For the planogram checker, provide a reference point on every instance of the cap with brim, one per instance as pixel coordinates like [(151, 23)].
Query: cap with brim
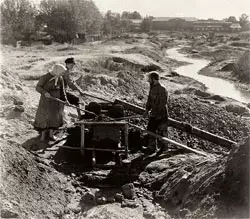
[(70, 60)]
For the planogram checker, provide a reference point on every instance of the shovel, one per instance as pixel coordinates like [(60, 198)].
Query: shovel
[(63, 102)]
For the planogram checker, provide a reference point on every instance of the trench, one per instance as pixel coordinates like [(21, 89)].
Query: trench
[(214, 85)]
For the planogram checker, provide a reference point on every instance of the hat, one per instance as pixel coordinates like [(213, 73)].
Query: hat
[(70, 60)]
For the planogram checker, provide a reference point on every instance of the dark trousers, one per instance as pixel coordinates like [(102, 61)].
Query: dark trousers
[(157, 126)]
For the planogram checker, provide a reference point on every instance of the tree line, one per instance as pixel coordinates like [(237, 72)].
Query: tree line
[(61, 19)]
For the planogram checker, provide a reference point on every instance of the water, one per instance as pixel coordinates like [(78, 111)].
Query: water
[(215, 85)]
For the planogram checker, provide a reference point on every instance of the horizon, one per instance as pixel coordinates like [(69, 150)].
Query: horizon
[(204, 9)]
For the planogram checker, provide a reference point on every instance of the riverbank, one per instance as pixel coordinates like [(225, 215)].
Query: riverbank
[(223, 55), (38, 181)]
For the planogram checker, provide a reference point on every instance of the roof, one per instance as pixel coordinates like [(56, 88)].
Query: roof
[(211, 22), (171, 18), (136, 21), (235, 26)]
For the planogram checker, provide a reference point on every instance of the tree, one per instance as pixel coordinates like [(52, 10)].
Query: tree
[(244, 22), (231, 19), (146, 25), (131, 15), (66, 18), (18, 20), (112, 23)]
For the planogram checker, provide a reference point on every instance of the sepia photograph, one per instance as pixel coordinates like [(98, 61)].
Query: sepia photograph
[(124, 109)]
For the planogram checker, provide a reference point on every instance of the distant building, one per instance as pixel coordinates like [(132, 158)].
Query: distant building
[(211, 25), (135, 24), (235, 27), (173, 23), (193, 24)]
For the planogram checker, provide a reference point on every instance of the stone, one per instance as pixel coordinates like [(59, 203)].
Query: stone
[(6, 213), (17, 101), (119, 197), (19, 108), (128, 190), (18, 87), (88, 198), (101, 200), (110, 199), (129, 204)]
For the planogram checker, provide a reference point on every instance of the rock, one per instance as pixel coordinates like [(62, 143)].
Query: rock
[(18, 87), (119, 197), (248, 105), (110, 199), (174, 73), (17, 101), (129, 204), (215, 97), (101, 200), (201, 93), (6, 213), (88, 198), (236, 109), (19, 108), (129, 190), (183, 212), (177, 92)]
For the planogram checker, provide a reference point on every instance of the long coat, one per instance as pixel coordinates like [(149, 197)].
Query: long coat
[(49, 114)]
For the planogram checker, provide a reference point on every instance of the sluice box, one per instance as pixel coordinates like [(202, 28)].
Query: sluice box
[(106, 136)]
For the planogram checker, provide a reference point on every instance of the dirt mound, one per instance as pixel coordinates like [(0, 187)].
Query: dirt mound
[(236, 184), (153, 54), (219, 122), (124, 83), (191, 186), (8, 80), (29, 186), (182, 181), (242, 67)]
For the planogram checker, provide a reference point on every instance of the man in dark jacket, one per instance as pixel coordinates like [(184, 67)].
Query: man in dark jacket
[(68, 82), (157, 111)]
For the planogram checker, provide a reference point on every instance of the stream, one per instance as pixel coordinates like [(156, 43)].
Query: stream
[(214, 85)]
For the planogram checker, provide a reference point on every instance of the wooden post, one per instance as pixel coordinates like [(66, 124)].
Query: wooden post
[(126, 139), (82, 139)]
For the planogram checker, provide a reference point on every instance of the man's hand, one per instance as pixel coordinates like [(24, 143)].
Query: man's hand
[(47, 95)]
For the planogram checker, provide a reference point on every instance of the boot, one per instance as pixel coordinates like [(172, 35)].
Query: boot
[(43, 135), (51, 135)]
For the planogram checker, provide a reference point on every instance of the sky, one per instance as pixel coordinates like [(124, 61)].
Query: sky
[(203, 9)]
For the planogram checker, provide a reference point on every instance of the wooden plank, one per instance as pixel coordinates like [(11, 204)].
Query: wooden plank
[(184, 127), (105, 149), (119, 123), (173, 142)]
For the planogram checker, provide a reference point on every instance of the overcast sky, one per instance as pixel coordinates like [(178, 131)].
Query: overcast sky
[(217, 9)]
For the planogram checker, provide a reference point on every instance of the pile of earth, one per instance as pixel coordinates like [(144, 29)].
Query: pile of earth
[(15, 107), (190, 186), (220, 122), (29, 187)]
